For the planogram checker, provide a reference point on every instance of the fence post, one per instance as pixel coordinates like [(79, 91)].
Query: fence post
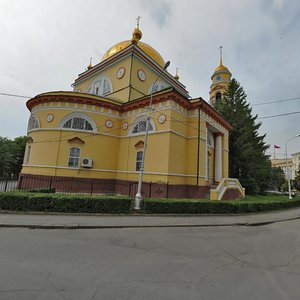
[(150, 189), (20, 182), (167, 189), (50, 184), (129, 191), (6, 182), (92, 186)]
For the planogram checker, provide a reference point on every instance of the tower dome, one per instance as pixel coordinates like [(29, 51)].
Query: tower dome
[(220, 80), (136, 36), (221, 68)]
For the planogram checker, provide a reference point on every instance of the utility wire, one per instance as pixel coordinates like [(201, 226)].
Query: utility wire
[(13, 95), (279, 115), (252, 104), (277, 101)]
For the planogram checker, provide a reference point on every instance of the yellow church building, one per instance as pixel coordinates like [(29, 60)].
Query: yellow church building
[(92, 139)]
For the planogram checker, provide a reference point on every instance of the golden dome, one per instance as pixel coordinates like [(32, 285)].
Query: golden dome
[(136, 36), (221, 68), (145, 47)]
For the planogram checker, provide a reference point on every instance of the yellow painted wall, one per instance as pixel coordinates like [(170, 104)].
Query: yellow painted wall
[(120, 86), (171, 154)]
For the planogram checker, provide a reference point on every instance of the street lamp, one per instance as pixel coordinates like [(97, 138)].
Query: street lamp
[(138, 196), (287, 165)]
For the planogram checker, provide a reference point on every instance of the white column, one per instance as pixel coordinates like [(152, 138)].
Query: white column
[(218, 158)]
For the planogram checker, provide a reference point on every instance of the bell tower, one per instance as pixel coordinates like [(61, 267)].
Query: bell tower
[(220, 80)]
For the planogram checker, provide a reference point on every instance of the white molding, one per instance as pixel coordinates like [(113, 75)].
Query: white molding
[(130, 114), (138, 120), (78, 115), (111, 171), (97, 78), (33, 116), (115, 136), (76, 109)]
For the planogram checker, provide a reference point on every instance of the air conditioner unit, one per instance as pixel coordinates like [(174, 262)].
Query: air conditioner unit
[(87, 162)]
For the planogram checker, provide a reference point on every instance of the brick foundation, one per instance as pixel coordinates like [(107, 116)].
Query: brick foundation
[(102, 186)]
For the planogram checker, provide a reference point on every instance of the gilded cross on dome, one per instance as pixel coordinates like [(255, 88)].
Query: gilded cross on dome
[(221, 49), (138, 21)]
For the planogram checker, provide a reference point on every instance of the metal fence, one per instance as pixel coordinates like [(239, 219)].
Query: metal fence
[(99, 186), (73, 185), (8, 184)]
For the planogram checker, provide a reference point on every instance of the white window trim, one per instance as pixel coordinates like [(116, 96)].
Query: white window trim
[(38, 122), (78, 115), (161, 83), (90, 89), (138, 161), (136, 121), (74, 157)]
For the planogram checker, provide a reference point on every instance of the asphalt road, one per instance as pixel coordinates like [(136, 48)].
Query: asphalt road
[(261, 262)]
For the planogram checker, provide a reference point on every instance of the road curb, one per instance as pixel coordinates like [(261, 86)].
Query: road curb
[(78, 226)]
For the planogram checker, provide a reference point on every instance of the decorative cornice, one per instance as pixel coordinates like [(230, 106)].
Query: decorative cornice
[(169, 94), (139, 144), (76, 140)]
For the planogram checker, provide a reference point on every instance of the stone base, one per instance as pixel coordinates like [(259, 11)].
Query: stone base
[(106, 186)]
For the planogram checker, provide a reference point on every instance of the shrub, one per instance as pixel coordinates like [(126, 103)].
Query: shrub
[(169, 206), (44, 190), (64, 203)]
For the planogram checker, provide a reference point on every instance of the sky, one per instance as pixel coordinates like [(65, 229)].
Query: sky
[(45, 44)]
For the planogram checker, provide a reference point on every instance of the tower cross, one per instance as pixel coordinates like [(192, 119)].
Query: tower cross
[(138, 21), (221, 49)]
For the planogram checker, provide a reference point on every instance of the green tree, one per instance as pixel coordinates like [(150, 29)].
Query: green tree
[(277, 179), (5, 156), (11, 155), (18, 150), (296, 181), (248, 160)]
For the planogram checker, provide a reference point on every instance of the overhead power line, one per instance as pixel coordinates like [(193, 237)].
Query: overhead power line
[(13, 95), (279, 115), (263, 103), (276, 101)]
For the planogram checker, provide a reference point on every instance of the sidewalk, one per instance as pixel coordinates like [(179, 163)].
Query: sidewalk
[(72, 221)]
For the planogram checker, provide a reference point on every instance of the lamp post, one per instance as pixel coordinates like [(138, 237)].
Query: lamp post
[(138, 196), (287, 165)]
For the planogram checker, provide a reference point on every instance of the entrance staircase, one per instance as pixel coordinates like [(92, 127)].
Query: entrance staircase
[(227, 189)]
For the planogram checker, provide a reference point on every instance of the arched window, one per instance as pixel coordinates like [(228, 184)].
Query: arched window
[(139, 159), (74, 157), (139, 126), (218, 96), (101, 86), (78, 121), (158, 86), (33, 123)]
